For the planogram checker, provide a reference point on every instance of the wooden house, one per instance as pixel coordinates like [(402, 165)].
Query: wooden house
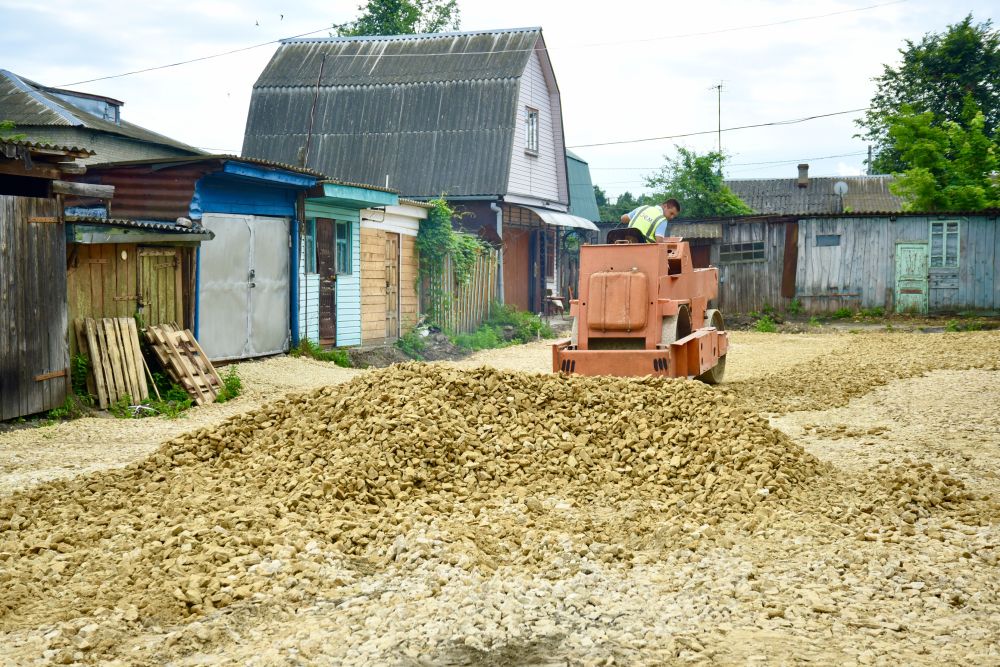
[(74, 118), (237, 292), (475, 117), (835, 243), (34, 358), (389, 270), (332, 263)]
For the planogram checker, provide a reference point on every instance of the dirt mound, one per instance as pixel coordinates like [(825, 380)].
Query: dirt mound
[(215, 515)]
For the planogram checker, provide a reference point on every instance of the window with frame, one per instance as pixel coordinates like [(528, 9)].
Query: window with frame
[(310, 246), (531, 131), (944, 243), (827, 240), (343, 247), (733, 253)]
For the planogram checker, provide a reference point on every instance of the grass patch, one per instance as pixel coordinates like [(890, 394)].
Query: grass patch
[(842, 313), (765, 325), (506, 326), (232, 386), (307, 348), (814, 321), (877, 312), (794, 307), (412, 344)]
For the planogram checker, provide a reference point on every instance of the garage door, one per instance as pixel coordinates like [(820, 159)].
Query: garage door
[(244, 287)]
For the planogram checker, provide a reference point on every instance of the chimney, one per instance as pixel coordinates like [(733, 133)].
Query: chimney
[(803, 176)]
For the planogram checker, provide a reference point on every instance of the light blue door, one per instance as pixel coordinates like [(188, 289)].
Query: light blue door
[(911, 277)]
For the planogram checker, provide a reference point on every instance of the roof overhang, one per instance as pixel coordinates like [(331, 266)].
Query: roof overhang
[(557, 219), (271, 175), (354, 196), (90, 231)]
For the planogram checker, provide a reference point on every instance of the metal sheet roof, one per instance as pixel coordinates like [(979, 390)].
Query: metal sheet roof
[(434, 113), (219, 157), (34, 146), (559, 219), (151, 225), (582, 200), (27, 104), (783, 195)]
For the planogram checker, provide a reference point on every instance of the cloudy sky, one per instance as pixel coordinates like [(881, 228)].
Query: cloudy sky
[(629, 69)]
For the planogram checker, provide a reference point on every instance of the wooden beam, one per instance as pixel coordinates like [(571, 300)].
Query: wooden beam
[(72, 168), (49, 376), (16, 168), (83, 189)]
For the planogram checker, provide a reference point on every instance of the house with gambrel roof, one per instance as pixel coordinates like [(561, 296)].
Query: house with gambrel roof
[(473, 116)]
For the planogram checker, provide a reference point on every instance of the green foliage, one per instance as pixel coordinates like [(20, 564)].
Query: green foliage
[(412, 344), (842, 313), (121, 407), (232, 386), (950, 166), (403, 17), (765, 325), (768, 309), (74, 407), (952, 326), (7, 131), (794, 307), (874, 313), (696, 181), (936, 75), (624, 203), (814, 321), (437, 241), (506, 326), (307, 348)]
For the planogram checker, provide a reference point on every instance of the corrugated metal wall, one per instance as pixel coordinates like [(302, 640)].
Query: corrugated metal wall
[(33, 320)]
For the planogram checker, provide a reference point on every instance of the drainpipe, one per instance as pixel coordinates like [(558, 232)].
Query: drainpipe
[(499, 212)]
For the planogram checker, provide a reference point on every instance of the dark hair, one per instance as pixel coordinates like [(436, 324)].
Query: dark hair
[(673, 202)]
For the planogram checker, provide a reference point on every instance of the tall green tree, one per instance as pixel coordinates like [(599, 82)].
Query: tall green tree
[(625, 202), (951, 166), (694, 180), (403, 17), (935, 75)]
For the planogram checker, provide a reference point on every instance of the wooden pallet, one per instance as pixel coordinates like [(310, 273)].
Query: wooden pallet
[(116, 363), (184, 360)]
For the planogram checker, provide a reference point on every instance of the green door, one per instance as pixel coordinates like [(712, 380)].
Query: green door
[(911, 277)]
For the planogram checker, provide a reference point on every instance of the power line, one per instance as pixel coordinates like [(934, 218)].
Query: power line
[(792, 121), (465, 53)]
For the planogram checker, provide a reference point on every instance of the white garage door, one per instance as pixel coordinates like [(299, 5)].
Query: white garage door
[(244, 289)]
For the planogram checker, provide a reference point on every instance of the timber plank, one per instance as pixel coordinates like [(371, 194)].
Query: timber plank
[(127, 360), (133, 339), (96, 365), (113, 358)]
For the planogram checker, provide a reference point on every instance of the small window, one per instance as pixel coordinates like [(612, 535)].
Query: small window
[(827, 240), (310, 246), (733, 253), (531, 131), (343, 247), (944, 244)]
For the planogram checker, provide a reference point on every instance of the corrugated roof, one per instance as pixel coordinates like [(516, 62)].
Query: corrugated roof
[(27, 104), (73, 151), (436, 113), (582, 200), (783, 195), (154, 225), (792, 217), (192, 159)]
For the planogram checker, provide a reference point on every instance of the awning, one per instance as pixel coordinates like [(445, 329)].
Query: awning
[(558, 219)]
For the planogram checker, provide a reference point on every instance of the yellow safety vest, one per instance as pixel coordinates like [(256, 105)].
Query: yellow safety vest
[(646, 220)]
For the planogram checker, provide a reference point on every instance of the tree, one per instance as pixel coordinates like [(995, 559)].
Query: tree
[(694, 180), (951, 165), (403, 17), (600, 196), (624, 203), (935, 76)]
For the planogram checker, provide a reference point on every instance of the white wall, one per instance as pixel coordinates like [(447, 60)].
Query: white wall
[(531, 175)]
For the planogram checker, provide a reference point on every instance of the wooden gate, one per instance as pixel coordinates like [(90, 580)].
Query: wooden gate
[(160, 286), (34, 360), (391, 286)]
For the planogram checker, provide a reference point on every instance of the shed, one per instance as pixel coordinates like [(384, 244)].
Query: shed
[(34, 359), (244, 286)]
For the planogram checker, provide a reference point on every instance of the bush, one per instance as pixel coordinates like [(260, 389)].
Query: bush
[(307, 348), (875, 313), (506, 326), (814, 321), (482, 339), (794, 307), (952, 326), (412, 344), (765, 325), (842, 313), (232, 386)]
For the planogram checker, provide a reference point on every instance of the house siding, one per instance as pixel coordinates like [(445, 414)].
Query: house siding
[(748, 286), (349, 295), (531, 175), (375, 225), (308, 299)]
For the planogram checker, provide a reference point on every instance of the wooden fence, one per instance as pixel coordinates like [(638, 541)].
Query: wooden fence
[(461, 308)]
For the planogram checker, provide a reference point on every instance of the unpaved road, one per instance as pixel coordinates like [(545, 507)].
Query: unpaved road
[(841, 571)]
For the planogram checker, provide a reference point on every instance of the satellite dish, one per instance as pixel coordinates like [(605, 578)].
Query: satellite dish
[(840, 188)]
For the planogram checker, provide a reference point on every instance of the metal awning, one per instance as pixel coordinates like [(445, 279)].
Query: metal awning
[(563, 219)]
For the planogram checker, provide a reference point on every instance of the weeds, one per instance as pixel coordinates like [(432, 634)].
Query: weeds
[(765, 325), (506, 326), (307, 348), (877, 312), (952, 326), (814, 321), (482, 339), (842, 313), (232, 386), (412, 344), (794, 307)]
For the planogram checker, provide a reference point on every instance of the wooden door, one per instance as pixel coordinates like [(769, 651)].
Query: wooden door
[(517, 274), (326, 267), (911, 277), (160, 293), (391, 286)]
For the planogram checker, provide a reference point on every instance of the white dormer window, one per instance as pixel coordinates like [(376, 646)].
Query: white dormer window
[(531, 131)]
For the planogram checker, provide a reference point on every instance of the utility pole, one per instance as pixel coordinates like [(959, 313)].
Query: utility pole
[(718, 90)]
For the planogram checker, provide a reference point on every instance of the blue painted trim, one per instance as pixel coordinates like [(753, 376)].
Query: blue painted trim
[(293, 280), (222, 193), (269, 174), (197, 290), (351, 195)]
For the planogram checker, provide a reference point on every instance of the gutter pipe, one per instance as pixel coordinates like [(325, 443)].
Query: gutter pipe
[(499, 213)]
